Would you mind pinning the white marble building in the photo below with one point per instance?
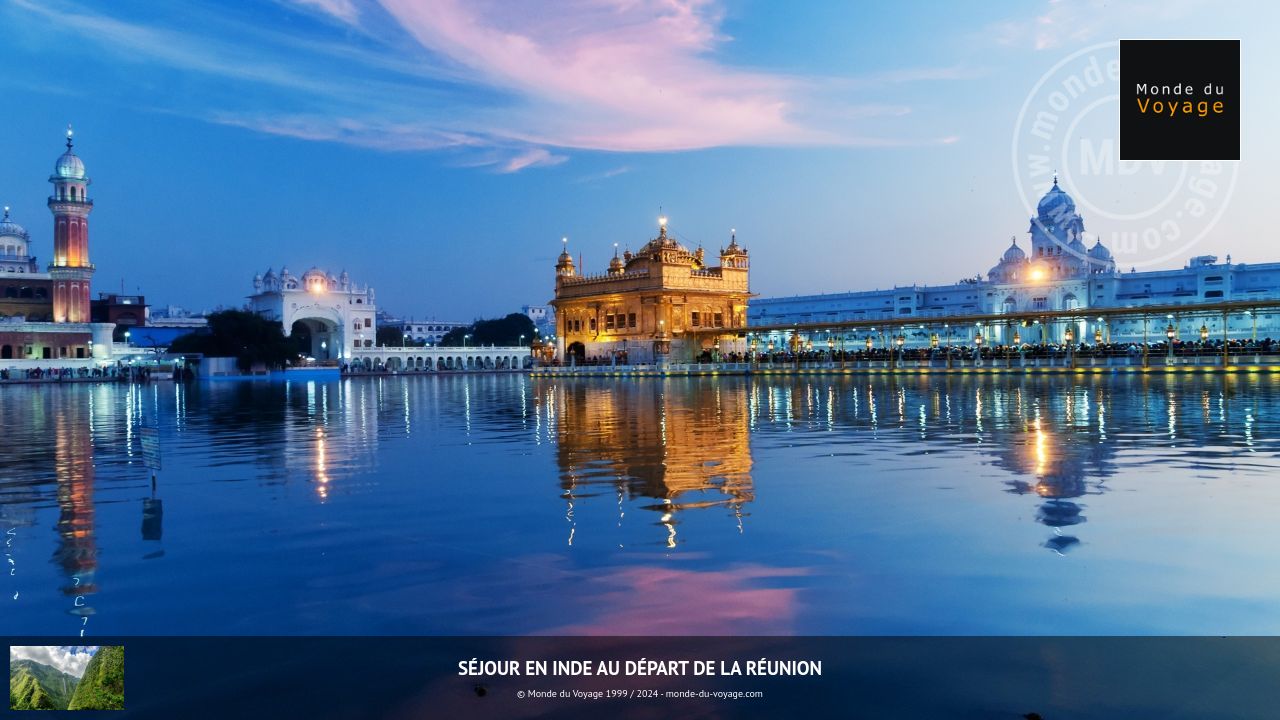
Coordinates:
(339, 315)
(1060, 271)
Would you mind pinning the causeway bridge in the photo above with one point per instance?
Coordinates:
(439, 359)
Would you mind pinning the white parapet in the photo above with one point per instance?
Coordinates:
(447, 358)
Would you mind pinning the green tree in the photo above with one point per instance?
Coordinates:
(390, 336)
(498, 331)
(248, 337)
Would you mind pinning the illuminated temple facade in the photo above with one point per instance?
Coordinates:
(45, 316)
(1059, 270)
(662, 301)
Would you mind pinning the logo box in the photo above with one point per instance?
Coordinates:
(1180, 99)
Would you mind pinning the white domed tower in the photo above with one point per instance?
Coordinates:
(15, 250)
(1056, 230)
(70, 269)
(1100, 260)
(1012, 267)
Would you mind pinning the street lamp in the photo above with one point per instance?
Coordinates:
(977, 355)
(1171, 332)
(1069, 336)
(465, 338)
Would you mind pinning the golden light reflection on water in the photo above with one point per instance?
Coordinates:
(645, 441)
(321, 469)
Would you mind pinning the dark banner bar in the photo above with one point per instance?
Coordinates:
(558, 677)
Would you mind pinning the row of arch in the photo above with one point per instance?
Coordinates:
(73, 193)
(26, 292)
(1069, 302)
(423, 363)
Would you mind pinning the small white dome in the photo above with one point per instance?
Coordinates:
(9, 228)
(1014, 253)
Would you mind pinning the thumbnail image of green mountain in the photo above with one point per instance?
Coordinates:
(36, 686)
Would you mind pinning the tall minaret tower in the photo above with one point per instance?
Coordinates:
(70, 269)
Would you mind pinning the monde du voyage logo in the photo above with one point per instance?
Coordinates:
(1150, 180)
(1180, 99)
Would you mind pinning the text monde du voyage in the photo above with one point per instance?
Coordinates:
(1180, 99)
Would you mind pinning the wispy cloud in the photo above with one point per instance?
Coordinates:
(519, 85)
(343, 10)
(533, 157)
(610, 173)
(612, 75)
(70, 659)
(1065, 22)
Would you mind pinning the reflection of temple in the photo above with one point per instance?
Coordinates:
(1058, 467)
(77, 552)
(690, 449)
(331, 429)
(1056, 449)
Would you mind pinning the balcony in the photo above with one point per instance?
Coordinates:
(68, 201)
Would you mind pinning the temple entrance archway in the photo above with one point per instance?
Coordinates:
(318, 338)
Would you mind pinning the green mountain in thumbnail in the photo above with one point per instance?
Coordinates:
(36, 686)
(102, 687)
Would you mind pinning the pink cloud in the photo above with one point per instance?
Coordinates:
(506, 86)
(612, 74)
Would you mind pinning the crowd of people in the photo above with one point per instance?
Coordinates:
(965, 353)
(968, 353)
(118, 372)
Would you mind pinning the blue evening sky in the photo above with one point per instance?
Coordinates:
(439, 149)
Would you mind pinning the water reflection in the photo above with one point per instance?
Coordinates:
(77, 551)
(684, 444)
(505, 504)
